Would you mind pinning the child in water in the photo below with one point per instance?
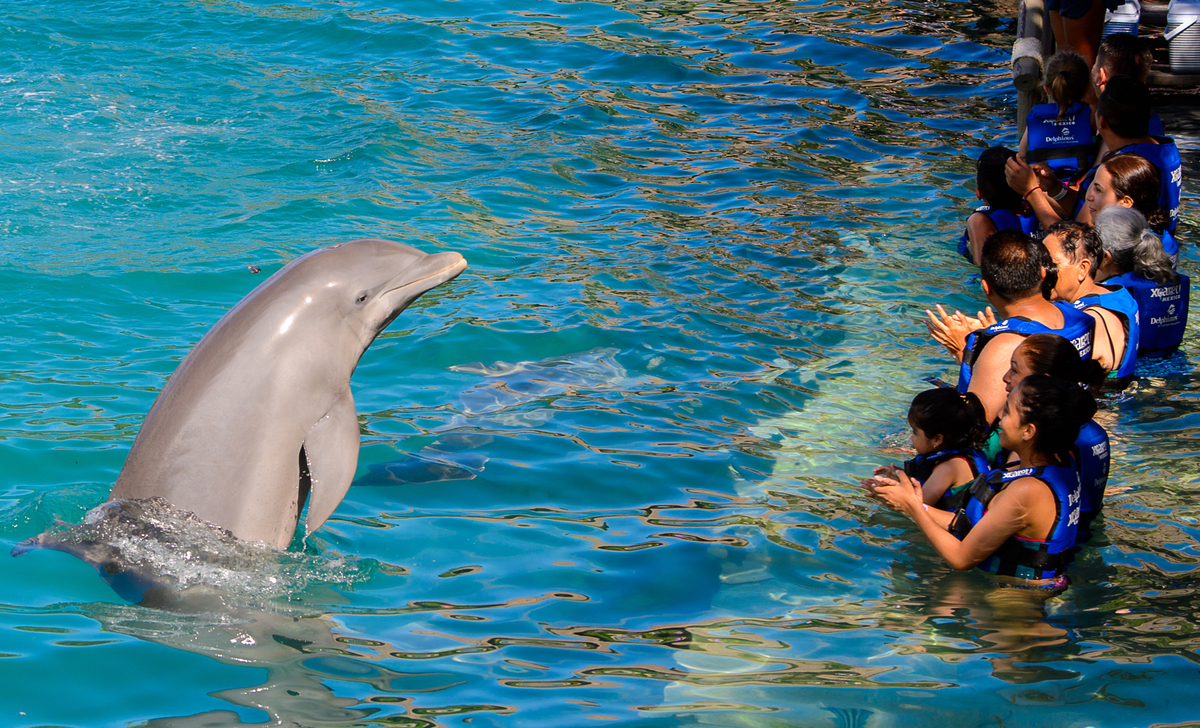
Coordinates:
(1002, 209)
(947, 432)
(1060, 134)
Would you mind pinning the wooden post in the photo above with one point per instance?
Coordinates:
(1034, 40)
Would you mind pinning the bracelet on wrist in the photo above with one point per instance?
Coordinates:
(1030, 192)
(1062, 192)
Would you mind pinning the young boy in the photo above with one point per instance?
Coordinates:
(1002, 207)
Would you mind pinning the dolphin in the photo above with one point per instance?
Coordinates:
(258, 421)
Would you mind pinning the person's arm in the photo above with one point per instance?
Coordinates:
(1026, 181)
(987, 373)
(904, 494)
(945, 476)
(979, 228)
(1023, 147)
(1008, 514)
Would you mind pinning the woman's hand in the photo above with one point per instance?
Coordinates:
(901, 493)
(888, 471)
(1020, 176)
(1046, 178)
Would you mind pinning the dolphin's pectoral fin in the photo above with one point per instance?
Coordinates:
(332, 450)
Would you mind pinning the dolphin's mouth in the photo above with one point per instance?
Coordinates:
(453, 265)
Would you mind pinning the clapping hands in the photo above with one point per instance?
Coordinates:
(951, 330)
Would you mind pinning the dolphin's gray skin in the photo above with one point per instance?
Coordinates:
(258, 418)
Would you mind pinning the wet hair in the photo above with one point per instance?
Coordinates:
(1125, 106)
(1079, 241)
(1127, 237)
(1058, 409)
(1011, 263)
(1124, 54)
(959, 418)
(1068, 78)
(1137, 178)
(989, 179)
(1057, 357)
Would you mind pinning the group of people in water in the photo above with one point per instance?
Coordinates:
(1076, 251)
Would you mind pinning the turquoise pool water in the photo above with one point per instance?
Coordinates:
(608, 474)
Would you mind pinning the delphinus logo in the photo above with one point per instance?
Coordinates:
(1064, 137)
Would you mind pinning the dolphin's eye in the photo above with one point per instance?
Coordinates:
(362, 298)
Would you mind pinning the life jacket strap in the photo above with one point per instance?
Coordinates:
(1014, 554)
(981, 490)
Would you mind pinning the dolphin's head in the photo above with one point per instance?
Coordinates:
(371, 281)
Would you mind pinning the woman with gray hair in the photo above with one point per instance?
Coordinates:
(1134, 258)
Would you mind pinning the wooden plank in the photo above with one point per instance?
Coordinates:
(1154, 13)
(1027, 69)
(1159, 78)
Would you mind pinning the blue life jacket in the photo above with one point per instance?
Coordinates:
(1077, 327)
(1019, 557)
(1093, 459)
(921, 467)
(1170, 245)
(1162, 312)
(1092, 456)
(1122, 303)
(1003, 220)
(1156, 125)
(1067, 145)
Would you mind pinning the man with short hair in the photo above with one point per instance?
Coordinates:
(1014, 270)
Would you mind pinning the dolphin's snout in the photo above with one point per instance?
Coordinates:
(430, 271)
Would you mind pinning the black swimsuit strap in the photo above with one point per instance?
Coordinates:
(1112, 344)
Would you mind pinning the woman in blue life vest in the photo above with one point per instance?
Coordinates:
(1021, 522)
(947, 432)
(1134, 258)
(1077, 253)
(1060, 134)
(1053, 355)
(1129, 180)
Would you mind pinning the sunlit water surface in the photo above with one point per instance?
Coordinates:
(609, 472)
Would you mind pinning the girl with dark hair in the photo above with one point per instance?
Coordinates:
(1020, 522)
(1060, 133)
(947, 431)
(1134, 258)
(1053, 355)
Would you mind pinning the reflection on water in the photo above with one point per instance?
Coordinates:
(610, 473)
